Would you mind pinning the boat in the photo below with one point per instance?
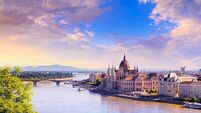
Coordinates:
(193, 105)
(75, 84)
(66, 83)
(80, 89)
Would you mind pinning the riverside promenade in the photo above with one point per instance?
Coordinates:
(152, 98)
(162, 99)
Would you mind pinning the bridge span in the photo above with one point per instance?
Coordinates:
(57, 81)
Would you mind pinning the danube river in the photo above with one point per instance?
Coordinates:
(49, 98)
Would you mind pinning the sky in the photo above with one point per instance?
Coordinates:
(154, 34)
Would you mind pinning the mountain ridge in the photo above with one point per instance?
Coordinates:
(54, 67)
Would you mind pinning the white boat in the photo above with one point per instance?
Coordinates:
(192, 105)
(80, 89)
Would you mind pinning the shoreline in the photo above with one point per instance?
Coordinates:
(160, 99)
(150, 99)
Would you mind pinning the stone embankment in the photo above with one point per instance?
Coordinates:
(140, 98)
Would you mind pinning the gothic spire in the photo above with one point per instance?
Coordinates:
(124, 56)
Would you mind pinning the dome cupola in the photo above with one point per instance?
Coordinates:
(124, 64)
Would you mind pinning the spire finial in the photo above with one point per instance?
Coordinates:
(109, 66)
(124, 56)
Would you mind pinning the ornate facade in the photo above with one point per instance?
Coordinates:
(126, 79)
(169, 84)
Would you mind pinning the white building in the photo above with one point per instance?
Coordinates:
(190, 89)
(169, 84)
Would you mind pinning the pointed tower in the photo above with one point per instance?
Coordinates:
(124, 56)
(113, 72)
(109, 71)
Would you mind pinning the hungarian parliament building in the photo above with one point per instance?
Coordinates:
(126, 79)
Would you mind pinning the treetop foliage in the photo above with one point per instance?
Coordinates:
(15, 96)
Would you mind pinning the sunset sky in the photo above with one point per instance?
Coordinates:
(154, 34)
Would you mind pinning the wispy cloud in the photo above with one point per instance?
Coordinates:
(185, 37)
(43, 26)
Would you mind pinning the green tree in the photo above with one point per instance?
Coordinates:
(17, 71)
(15, 96)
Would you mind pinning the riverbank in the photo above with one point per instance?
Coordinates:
(152, 99)
(161, 99)
(63, 99)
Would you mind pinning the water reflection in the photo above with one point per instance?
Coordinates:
(119, 105)
(49, 98)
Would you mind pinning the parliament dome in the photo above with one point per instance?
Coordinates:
(124, 64)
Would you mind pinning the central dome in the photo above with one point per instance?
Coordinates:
(124, 64)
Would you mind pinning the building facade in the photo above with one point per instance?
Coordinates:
(126, 79)
(147, 82)
(169, 84)
(190, 89)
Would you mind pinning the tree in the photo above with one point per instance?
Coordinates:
(17, 71)
(15, 96)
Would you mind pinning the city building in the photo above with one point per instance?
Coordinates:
(183, 70)
(169, 84)
(191, 89)
(126, 79)
(146, 83)
(121, 80)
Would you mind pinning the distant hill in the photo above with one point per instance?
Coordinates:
(52, 68)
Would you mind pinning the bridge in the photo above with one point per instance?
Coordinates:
(57, 81)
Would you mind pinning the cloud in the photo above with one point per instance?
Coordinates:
(144, 1)
(51, 31)
(193, 63)
(14, 12)
(185, 37)
(42, 20)
(38, 21)
(78, 36)
(59, 31)
(185, 14)
(112, 48)
(15, 54)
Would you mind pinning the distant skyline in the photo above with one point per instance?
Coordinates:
(154, 34)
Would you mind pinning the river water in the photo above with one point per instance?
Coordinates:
(49, 98)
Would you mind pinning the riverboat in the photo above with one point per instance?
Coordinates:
(192, 105)
(80, 89)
